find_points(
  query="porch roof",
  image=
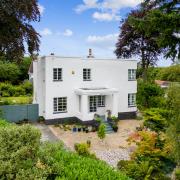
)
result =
(96, 91)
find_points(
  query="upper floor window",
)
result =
(60, 104)
(57, 74)
(132, 100)
(131, 74)
(87, 74)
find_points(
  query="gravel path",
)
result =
(46, 134)
(112, 157)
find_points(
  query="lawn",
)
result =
(15, 100)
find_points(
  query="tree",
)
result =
(15, 19)
(162, 23)
(133, 42)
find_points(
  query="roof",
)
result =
(162, 83)
(96, 91)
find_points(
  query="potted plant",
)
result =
(74, 129)
(115, 128)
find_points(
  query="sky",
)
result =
(71, 27)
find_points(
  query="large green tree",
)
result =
(162, 23)
(16, 29)
(133, 41)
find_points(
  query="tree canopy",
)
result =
(134, 42)
(16, 29)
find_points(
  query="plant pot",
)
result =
(79, 129)
(74, 129)
(84, 129)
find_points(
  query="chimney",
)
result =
(52, 54)
(90, 54)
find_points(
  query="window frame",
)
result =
(58, 76)
(132, 100)
(131, 74)
(86, 74)
(101, 101)
(95, 102)
(59, 105)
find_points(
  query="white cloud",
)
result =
(68, 32)
(105, 16)
(46, 32)
(108, 9)
(87, 4)
(41, 9)
(108, 41)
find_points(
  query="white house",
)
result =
(75, 87)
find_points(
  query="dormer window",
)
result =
(57, 74)
(86, 74)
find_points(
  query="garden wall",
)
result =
(15, 113)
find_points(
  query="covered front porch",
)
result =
(96, 101)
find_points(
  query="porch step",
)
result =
(108, 129)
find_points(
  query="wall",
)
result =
(15, 113)
(104, 73)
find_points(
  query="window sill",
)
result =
(59, 112)
(131, 106)
(57, 80)
(131, 79)
(87, 80)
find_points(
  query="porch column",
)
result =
(84, 105)
(115, 105)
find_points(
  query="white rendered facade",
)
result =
(67, 87)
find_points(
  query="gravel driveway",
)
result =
(46, 134)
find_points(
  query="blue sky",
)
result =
(71, 27)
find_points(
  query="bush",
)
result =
(149, 95)
(4, 123)
(101, 131)
(28, 87)
(156, 119)
(18, 148)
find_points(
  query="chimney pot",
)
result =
(90, 54)
(52, 54)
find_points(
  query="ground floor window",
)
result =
(131, 100)
(96, 101)
(60, 104)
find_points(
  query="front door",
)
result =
(97, 104)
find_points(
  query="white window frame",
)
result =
(57, 74)
(95, 102)
(60, 104)
(86, 74)
(132, 100)
(131, 74)
(101, 101)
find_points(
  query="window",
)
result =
(87, 74)
(92, 104)
(101, 101)
(60, 104)
(96, 101)
(131, 74)
(57, 74)
(131, 100)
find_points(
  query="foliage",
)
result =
(171, 73)
(15, 100)
(18, 149)
(9, 72)
(177, 173)
(162, 23)
(156, 119)
(173, 104)
(101, 131)
(133, 41)
(153, 150)
(83, 150)
(4, 123)
(9, 90)
(149, 95)
(16, 29)
(23, 157)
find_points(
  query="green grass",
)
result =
(15, 100)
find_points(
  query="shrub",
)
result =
(149, 95)
(28, 87)
(4, 123)
(156, 119)
(101, 131)
(177, 173)
(18, 148)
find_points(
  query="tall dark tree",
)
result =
(16, 29)
(162, 23)
(132, 41)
